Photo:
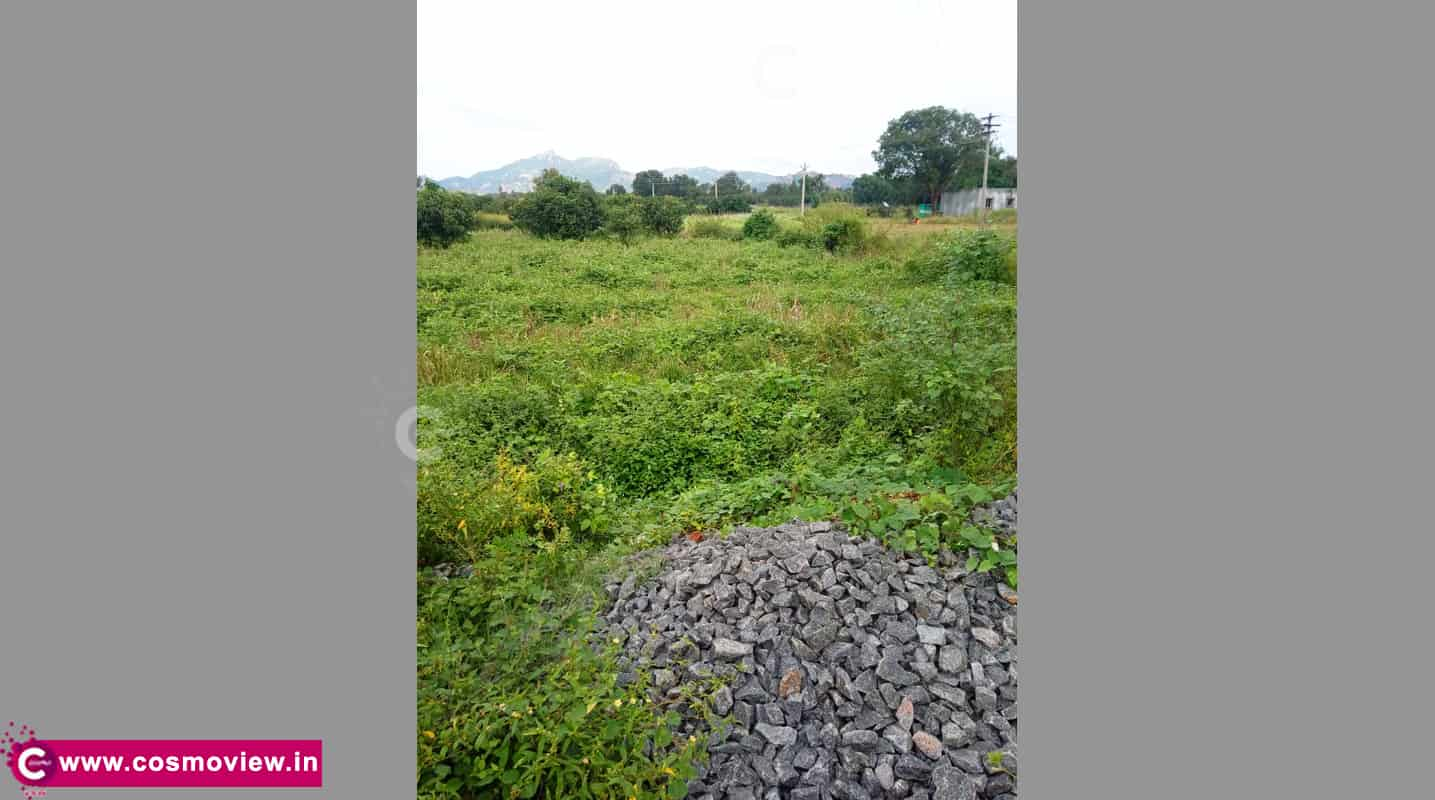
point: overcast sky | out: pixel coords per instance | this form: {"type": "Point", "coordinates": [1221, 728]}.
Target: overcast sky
{"type": "Point", "coordinates": [730, 85]}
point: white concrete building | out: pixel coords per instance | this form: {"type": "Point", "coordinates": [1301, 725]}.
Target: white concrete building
{"type": "Point", "coordinates": [966, 200]}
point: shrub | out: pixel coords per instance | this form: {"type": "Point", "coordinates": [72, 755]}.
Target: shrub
{"type": "Point", "coordinates": [837, 227]}
{"type": "Point", "coordinates": [553, 503]}
{"type": "Point", "coordinates": [944, 371]}
{"type": "Point", "coordinates": [558, 208]}
{"type": "Point", "coordinates": [980, 254]}
{"type": "Point", "coordinates": [796, 237]}
{"type": "Point", "coordinates": [443, 216]}
{"type": "Point", "coordinates": [621, 217]}
{"type": "Point", "coordinates": [734, 204]}
{"type": "Point", "coordinates": [515, 700]}
{"type": "Point", "coordinates": [662, 215]}
{"type": "Point", "coordinates": [709, 228]}
{"type": "Point", "coordinates": [844, 235]}
{"type": "Point", "coordinates": [761, 224]}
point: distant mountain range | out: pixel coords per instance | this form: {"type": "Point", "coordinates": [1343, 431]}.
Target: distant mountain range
{"type": "Point", "coordinates": [601, 173]}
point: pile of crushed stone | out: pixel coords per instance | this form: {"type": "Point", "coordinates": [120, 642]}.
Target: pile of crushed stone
{"type": "Point", "coordinates": [851, 671]}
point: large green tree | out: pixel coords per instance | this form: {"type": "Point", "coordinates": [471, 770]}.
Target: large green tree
{"type": "Point", "coordinates": [643, 182]}
{"type": "Point", "coordinates": [730, 183]}
{"type": "Point", "coordinates": [928, 146]}
{"type": "Point", "coordinates": [558, 208]}
{"type": "Point", "coordinates": [444, 217]}
{"type": "Point", "coordinates": [1001, 172]}
{"type": "Point", "coordinates": [681, 185]}
{"type": "Point", "coordinates": [874, 189]}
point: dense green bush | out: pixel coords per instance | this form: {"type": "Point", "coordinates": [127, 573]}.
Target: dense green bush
{"type": "Point", "coordinates": [555, 501]}
{"type": "Point", "coordinates": [443, 216]}
{"type": "Point", "coordinates": [761, 224]}
{"type": "Point", "coordinates": [662, 215]}
{"type": "Point", "coordinates": [558, 208]}
{"type": "Point", "coordinates": [981, 254]}
{"type": "Point", "coordinates": [621, 217]}
{"type": "Point", "coordinates": [728, 204]}
{"type": "Point", "coordinates": [945, 371]}
{"type": "Point", "coordinates": [552, 501]}
{"type": "Point", "coordinates": [837, 227]}
{"type": "Point", "coordinates": [844, 235]}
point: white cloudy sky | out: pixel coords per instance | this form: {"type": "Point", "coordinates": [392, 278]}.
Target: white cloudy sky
{"type": "Point", "coordinates": [731, 85]}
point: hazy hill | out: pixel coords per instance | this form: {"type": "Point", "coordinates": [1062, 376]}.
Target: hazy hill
{"type": "Point", "coordinates": [601, 173]}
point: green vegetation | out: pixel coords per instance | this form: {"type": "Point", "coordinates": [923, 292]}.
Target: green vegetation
{"type": "Point", "coordinates": [760, 225]}
{"type": "Point", "coordinates": [584, 400]}
{"type": "Point", "coordinates": [709, 226]}
{"type": "Point", "coordinates": [514, 702]}
{"type": "Point", "coordinates": [662, 215]}
{"type": "Point", "coordinates": [980, 254]}
{"type": "Point", "coordinates": [443, 217]}
{"type": "Point", "coordinates": [558, 208]}
{"type": "Point", "coordinates": [927, 147]}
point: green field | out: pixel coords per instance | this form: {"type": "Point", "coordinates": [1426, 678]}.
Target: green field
{"type": "Point", "coordinates": [583, 400]}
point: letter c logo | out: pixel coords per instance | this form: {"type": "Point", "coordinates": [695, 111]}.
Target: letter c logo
{"type": "Point", "coordinates": [22, 762]}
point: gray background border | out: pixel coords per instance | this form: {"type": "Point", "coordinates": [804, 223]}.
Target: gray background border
{"type": "Point", "coordinates": [207, 326]}
{"type": "Point", "coordinates": [207, 315]}
{"type": "Point", "coordinates": [1224, 392]}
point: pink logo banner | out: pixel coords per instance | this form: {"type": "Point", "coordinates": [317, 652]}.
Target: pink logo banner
{"type": "Point", "coordinates": [167, 763]}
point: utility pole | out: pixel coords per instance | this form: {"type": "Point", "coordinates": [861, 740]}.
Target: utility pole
{"type": "Point", "coordinates": [803, 206]}
{"type": "Point", "coordinates": [987, 129]}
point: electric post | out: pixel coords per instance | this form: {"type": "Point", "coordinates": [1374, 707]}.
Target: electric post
{"type": "Point", "coordinates": [987, 129]}
{"type": "Point", "coordinates": [803, 202]}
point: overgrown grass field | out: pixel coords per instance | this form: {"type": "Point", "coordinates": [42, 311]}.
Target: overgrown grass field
{"type": "Point", "coordinates": [583, 400]}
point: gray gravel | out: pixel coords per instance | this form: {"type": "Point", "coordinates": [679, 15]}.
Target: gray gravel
{"type": "Point", "coordinates": [849, 671]}
{"type": "Point", "coordinates": [998, 514]}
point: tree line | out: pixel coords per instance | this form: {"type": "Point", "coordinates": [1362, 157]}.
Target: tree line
{"type": "Point", "coordinates": [920, 155]}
